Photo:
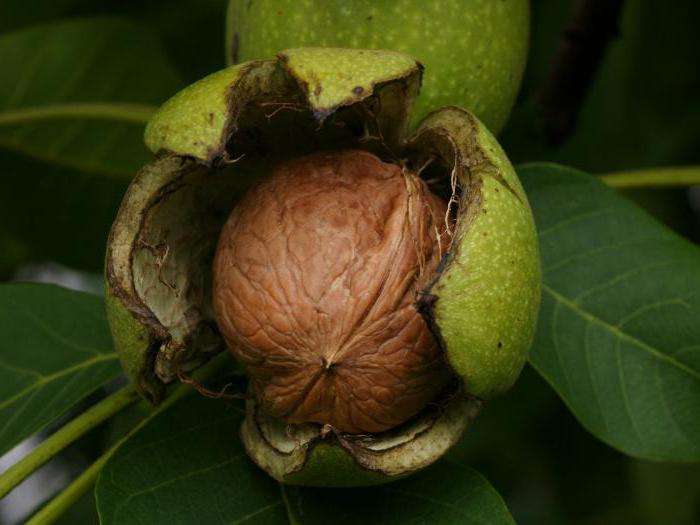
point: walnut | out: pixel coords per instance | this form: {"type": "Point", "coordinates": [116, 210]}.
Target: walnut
{"type": "Point", "coordinates": [320, 268]}
{"type": "Point", "coordinates": [316, 277]}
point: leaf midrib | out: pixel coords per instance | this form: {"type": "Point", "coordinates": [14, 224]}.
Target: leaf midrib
{"type": "Point", "coordinates": [617, 332]}
{"type": "Point", "coordinates": [111, 112]}
{"type": "Point", "coordinates": [132, 112]}
{"type": "Point", "coordinates": [62, 162]}
{"type": "Point", "coordinates": [46, 379]}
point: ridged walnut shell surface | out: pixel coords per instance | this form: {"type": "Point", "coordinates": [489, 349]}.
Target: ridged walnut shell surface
{"type": "Point", "coordinates": [219, 136]}
{"type": "Point", "coordinates": [316, 279]}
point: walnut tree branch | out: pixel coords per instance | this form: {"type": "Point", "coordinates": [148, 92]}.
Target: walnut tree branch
{"type": "Point", "coordinates": [592, 24]}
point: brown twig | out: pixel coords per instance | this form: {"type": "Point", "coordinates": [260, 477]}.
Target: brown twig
{"type": "Point", "coordinates": [592, 24]}
{"type": "Point", "coordinates": [186, 379]}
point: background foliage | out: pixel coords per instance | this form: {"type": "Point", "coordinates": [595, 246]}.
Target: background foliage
{"type": "Point", "coordinates": [604, 427]}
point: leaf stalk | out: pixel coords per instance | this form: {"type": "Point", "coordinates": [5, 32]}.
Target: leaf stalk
{"type": "Point", "coordinates": [66, 435]}
{"type": "Point", "coordinates": [119, 111]}
{"type": "Point", "coordinates": [653, 178]}
{"type": "Point", "coordinates": [79, 486]}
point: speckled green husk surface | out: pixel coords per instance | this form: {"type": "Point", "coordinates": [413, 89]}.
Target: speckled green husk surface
{"type": "Point", "coordinates": [474, 51]}
{"type": "Point", "coordinates": [482, 302]}
{"type": "Point", "coordinates": [489, 292]}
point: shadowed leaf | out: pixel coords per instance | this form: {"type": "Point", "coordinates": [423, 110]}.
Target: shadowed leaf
{"type": "Point", "coordinates": [73, 102]}
{"type": "Point", "coordinates": [55, 350]}
{"type": "Point", "coordinates": [187, 465]}
{"type": "Point", "coordinates": [618, 337]}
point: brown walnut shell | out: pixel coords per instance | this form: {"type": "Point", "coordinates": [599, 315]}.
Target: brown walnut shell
{"type": "Point", "coordinates": [316, 277]}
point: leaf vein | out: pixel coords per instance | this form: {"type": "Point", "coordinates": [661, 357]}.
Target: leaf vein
{"type": "Point", "coordinates": [619, 333]}
{"type": "Point", "coordinates": [255, 513]}
{"type": "Point", "coordinates": [625, 398]}
{"type": "Point", "coordinates": [57, 375]}
{"type": "Point", "coordinates": [175, 479]}
{"type": "Point", "coordinates": [597, 212]}
{"type": "Point", "coordinates": [620, 277]}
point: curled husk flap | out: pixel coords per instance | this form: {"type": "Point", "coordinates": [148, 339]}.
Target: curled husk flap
{"type": "Point", "coordinates": [217, 137]}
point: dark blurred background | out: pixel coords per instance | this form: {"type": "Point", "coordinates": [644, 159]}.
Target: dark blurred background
{"type": "Point", "coordinates": [629, 100]}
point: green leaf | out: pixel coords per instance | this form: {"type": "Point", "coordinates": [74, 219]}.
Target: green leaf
{"type": "Point", "coordinates": [55, 350]}
{"type": "Point", "coordinates": [187, 465]}
{"type": "Point", "coordinates": [618, 336]}
{"type": "Point", "coordinates": [202, 21]}
{"type": "Point", "coordinates": [16, 13]}
{"type": "Point", "coordinates": [73, 101]}
{"type": "Point", "coordinates": [444, 493]}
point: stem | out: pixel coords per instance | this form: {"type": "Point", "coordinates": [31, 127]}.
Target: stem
{"type": "Point", "coordinates": [136, 113]}
{"type": "Point", "coordinates": [79, 486]}
{"type": "Point", "coordinates": [653, 178]}
{"type": "Point", "coordinates": [66, 435]}
{"type": "Point", "coordinates": [61, 503]}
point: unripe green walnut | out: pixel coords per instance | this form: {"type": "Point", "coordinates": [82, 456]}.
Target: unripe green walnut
{"type": "Point", "coordinates": [475, 50]}
{"type": "Point", "coordinates": [320, 137]}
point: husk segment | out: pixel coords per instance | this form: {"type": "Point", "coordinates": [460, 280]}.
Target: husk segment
{"type": "Point", "coordinates": [301, 455]}
{"type": "Point", "coordinates": [215, 138]}
{"type": "Point", "coordinates": [199, 121]}
{"type": "Point", "coordinates": [221, 134]}
{"type": "Point", "coordinates": [484, 301]}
